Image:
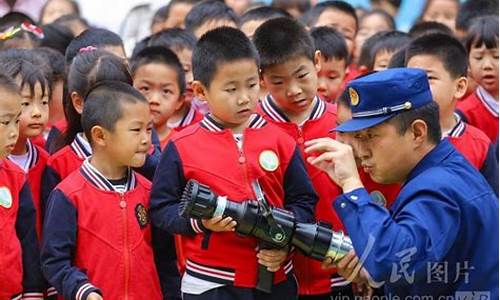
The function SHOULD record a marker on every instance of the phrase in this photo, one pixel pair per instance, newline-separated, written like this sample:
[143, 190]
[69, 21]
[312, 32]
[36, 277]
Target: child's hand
[94, 296]
[272, 258]
[218, 224]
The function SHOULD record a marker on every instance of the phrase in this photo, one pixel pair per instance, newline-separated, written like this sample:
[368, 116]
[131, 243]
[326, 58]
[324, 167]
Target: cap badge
[354, 96]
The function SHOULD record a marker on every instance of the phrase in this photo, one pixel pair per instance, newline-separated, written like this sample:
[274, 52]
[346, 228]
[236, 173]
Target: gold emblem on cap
[354, 96]
[269, 161]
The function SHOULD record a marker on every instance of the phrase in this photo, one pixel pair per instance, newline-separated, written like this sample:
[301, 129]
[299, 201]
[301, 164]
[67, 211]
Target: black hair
[208, 10]
[14, 18]
[163, 12]
[96, 37]
[263, 13]
[74, 5]
[447, 49]
[398, 59]
[160, 55]
[483, 30]
[366, 57]
[422, 28]
[280, 39]
[72, 22]
[175, 39]
[213, 49]
[8, 84]
[471, 9]
[104, 105]
[390, 41]
[387, 17]
[338, 5]
[428, 113]
[330, 42]
[28, 67]
[18, 36]
[55, 61]
[57, 37]
[302, 5]
[393, 3]
[87, 70]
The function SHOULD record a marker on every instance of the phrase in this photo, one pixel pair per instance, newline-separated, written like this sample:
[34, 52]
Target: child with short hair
[34, 86]
[208, 15]
[379, 49]
[97, 234]
[244, 148]
[158, 75]
[172, 15]
[253, 18]
[445, 61]
[422, 28]
[480, 109]
[20, 272]
[334, 62]
[289, 67]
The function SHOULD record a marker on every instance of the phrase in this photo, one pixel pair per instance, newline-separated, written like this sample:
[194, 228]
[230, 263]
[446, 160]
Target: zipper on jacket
[123, 206]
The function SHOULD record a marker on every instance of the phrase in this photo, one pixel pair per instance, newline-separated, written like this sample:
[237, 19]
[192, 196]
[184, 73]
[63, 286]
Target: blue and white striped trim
[32, 296]
[382, 111]
[274, 112]
[338, 281]
[81, 291]
[188, 118]
[96, 178]
[459, 128]
[212, 274]
[256, 121]
[80, 147]
[288, 267]
[483, 95]
[32, 154]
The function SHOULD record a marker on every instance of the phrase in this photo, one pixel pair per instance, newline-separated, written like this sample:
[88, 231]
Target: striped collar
[32, 156]
[186, 120]
[276, 114]
[256, 121]
[457, 130]
[81, 147]
[488, 101]
[97, 179]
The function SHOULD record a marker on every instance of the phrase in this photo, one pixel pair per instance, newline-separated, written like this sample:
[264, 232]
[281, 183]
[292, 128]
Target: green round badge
[5, 197]
[269, 161]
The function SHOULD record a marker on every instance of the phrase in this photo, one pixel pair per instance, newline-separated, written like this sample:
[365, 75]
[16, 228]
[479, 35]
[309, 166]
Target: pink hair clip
[87, 49]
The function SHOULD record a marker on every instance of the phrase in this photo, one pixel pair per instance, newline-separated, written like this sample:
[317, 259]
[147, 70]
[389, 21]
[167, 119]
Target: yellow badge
[5, 197]
[142, 215]
[269, 161]
[354, 96]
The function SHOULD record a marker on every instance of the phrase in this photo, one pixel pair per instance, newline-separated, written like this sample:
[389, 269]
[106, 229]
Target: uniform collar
[488, 101]
[98, 180]
[457, 130]
[32, 153]
[186, 120]
[276, 114]
[208, 122]
[81, 147]
[434, 158]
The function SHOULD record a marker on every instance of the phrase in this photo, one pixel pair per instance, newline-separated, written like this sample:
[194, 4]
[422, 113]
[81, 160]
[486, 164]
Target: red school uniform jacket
[266, 155]
[20, 274]
[37, 160]
[312, 279]
[476, 147]
[98, 239]
[477, 112]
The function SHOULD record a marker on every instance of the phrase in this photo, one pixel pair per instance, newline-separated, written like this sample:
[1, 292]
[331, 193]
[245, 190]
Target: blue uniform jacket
[441, 236]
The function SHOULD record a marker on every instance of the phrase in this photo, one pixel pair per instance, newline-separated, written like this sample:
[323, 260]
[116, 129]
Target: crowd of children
[96, 145]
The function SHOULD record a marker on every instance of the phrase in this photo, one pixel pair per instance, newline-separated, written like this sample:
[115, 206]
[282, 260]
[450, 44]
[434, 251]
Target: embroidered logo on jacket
[5, 197]
[269, 161]
[141, 213]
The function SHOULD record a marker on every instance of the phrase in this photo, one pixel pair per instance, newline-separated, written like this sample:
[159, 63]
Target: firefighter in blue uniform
[440, 237]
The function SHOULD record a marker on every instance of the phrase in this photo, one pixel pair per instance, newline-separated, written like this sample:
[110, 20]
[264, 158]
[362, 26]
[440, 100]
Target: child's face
[130, 140]
[212, 24]
[35, 111]
[331, 77]
[382, 59]
[56, 9]
[442, 11]
[368, 26]
[233, 93]
[444, 88]
[10, 111]
[176, 16]
[185, 56]
[158, 83]
[341, 21]
[484, 67]
[293, 84]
